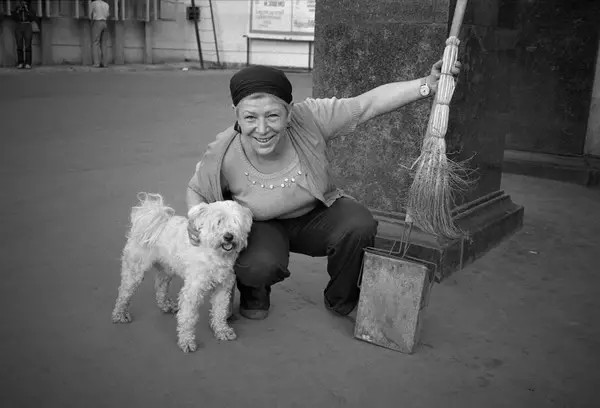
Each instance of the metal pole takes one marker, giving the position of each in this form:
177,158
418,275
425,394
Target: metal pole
247,50
197,33
212,18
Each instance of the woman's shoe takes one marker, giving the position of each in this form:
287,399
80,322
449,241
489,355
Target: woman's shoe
254,314
350,315
254,302
20,66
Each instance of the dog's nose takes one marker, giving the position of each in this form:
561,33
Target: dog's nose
228,236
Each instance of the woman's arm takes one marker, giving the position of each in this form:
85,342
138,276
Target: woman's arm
389,97
192,198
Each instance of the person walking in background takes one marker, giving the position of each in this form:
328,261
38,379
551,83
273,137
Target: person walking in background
99,12
24,17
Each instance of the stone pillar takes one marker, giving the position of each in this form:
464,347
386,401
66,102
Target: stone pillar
8,53
148,49
46,41
361,44
85,29
118,44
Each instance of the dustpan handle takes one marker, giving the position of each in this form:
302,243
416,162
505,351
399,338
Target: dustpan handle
459,13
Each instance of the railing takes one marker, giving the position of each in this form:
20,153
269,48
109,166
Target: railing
140,10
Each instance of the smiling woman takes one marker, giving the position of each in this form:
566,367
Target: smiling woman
262,118
273,161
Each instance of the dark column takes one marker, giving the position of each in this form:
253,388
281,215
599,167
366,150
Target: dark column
360,44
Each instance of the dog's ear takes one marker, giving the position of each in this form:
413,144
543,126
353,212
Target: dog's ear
248,216
249,213
197,211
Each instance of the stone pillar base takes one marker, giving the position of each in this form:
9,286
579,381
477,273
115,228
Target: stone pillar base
487,220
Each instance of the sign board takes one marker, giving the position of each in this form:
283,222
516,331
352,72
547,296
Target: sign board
287,18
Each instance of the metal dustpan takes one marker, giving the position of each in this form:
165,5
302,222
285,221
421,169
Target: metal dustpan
395,290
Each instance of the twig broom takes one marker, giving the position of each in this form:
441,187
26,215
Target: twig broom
436,178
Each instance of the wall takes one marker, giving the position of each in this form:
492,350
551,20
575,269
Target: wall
592,140
173,38
544,57
231,25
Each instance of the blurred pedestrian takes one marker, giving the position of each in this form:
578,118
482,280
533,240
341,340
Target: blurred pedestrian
25,18
99,13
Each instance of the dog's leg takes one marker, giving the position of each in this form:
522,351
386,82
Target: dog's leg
161,285
133,267
190,299
220,311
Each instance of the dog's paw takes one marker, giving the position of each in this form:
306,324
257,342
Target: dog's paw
225,334
187,346
121,317
169,306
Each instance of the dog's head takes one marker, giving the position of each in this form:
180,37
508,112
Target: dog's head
222,225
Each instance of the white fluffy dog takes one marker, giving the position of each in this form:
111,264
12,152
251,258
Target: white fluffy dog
159,238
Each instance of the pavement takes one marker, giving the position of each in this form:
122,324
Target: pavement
518,328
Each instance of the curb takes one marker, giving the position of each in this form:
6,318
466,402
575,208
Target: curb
182,66
582,170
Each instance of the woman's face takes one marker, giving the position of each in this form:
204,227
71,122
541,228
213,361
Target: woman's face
263,120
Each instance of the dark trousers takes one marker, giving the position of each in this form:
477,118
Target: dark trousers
99,39
23,36
340,232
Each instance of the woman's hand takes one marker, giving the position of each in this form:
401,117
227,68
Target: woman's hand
193,234
436,73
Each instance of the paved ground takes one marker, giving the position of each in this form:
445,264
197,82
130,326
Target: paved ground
519,328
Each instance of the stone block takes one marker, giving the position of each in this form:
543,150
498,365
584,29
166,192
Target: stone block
487,221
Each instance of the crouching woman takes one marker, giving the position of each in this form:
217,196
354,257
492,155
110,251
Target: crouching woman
273,161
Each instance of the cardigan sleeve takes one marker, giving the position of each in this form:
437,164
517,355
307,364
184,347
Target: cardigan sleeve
334,117
207,178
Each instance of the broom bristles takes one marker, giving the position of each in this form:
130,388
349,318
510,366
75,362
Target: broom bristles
436,181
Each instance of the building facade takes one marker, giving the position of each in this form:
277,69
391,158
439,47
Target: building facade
159,31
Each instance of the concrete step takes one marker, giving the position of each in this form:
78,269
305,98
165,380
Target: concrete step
584,170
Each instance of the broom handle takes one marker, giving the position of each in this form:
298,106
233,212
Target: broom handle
459,13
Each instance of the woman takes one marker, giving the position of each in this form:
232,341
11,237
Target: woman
273,161
24,16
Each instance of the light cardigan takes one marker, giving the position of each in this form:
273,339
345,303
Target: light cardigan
313,122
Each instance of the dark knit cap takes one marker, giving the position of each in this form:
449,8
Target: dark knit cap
258,78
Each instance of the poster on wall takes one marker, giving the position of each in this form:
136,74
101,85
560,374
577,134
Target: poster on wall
283,17
303,16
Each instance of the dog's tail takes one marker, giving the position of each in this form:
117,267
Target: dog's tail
149,218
